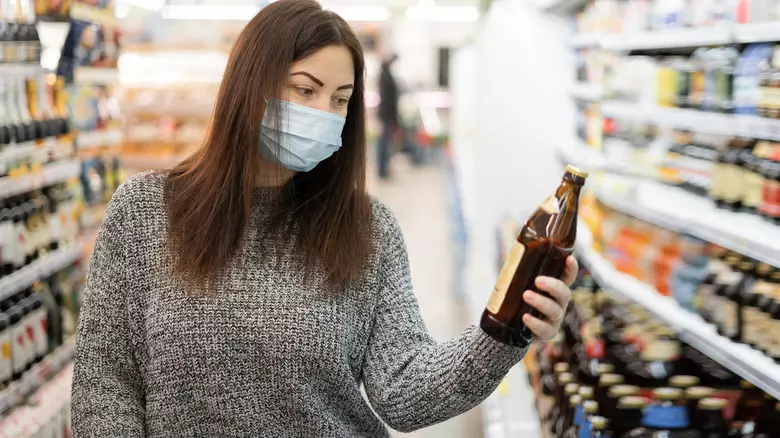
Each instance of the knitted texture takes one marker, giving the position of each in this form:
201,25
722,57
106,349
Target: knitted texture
266,354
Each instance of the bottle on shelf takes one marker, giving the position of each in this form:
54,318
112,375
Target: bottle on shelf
606,382
692,397
665,417
710,422
551,411
599,428
616,393
749,408
565,414
545,241
567,422
628,415
6,360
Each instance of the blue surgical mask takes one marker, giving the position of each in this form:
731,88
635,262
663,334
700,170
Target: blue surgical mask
302,139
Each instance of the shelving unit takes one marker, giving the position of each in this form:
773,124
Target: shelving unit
748,363
586,91
37,376
682,38
683,212
695,120
43,267
50,174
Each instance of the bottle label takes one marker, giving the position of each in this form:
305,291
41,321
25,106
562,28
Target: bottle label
30,331
550,205
730,319
733,183
752,318
40,333
6,358
719,176
754,184
19,350
505,277
666,417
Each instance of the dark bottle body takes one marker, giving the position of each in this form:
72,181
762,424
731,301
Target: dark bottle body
541,249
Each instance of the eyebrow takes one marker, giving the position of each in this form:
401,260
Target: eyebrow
319,82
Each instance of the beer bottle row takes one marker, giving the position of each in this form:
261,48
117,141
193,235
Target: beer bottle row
36,223
616,371
19,40
35,322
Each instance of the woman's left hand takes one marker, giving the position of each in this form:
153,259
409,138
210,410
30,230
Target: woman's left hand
552,308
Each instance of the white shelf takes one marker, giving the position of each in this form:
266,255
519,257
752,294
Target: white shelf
695,120
99,138
22,69
50,174
678,210
682,38
750,364
756,32
43,267
586,91
37,376
588,159
94,75
668,39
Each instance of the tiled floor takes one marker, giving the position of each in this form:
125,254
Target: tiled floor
417,197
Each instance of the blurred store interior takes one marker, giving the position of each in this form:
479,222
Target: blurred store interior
672,106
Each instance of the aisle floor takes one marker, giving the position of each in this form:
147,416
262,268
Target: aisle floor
417,197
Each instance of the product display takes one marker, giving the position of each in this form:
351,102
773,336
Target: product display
656,384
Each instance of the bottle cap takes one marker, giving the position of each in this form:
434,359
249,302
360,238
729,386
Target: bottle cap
598,423
633,402
576,171
699,392
777,406
575,400
611,379
746,385
591,407
619,391
667,394
683,382
561,367
565,378
571,388
586,392
712,404
606,368
746,266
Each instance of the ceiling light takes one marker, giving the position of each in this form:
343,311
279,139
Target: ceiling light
209,12
362,13
443,13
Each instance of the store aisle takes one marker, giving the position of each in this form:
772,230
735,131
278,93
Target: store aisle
417,197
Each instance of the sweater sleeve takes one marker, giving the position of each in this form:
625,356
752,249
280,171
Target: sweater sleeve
412,381
108,395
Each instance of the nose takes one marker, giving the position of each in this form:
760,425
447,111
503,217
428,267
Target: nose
322,103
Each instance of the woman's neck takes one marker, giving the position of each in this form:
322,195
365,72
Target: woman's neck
272,175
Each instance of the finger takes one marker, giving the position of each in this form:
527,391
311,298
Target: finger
570,273
541,329
556,288
548,306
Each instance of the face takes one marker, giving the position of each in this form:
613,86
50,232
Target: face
323,81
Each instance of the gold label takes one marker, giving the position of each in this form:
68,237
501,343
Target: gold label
505,278
754,186
730,327
718,180
732,183
550,205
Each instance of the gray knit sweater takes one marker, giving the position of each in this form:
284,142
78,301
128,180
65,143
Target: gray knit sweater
266,356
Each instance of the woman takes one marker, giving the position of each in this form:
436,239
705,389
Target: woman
252,290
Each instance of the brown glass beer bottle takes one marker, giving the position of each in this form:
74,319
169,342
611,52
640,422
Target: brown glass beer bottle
544,243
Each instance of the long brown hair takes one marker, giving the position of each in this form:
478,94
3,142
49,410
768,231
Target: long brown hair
210,194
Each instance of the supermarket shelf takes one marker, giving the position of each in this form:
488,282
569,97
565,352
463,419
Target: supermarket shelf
50,174
509,411
678,210
668,39
740,359
682,38
99,138
150,162
45,266
22,69
586,158
695,120
565,6
93,75
586,91
756,32
37,376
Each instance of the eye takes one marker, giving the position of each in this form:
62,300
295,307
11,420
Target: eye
304,92
341,102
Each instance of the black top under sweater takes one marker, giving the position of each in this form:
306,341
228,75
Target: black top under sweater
267,354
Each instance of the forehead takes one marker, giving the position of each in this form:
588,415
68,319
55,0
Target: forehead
332,65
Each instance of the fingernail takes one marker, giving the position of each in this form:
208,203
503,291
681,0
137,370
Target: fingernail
529,296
